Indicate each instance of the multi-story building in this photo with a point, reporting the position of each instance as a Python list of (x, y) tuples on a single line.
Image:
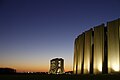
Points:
[(98, 50), (56, 66)]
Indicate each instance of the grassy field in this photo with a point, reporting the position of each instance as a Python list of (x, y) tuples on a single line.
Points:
[(58, 77)]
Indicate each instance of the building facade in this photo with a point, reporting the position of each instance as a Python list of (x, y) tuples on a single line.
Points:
[(7, 70), (56, 66), (97, 50)]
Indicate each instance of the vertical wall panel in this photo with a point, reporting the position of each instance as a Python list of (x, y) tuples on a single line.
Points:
[(80, 53), (75, 57), (87, 51), (113, 46), (98, 48), (119, 42)]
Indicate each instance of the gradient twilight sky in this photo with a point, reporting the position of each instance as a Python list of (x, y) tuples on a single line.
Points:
[(32, 32)]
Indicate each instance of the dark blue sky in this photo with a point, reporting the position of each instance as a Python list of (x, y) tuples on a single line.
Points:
[(34, 31)]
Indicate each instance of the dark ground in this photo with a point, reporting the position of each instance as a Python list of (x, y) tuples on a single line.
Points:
[(59, 77)]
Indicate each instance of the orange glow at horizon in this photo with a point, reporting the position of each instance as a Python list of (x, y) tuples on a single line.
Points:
[(33, 68), (38, 69)]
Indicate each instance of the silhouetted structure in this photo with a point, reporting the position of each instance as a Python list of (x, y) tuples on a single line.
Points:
[(56, 66), (7, 70), (69, 72), (98, 50)]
